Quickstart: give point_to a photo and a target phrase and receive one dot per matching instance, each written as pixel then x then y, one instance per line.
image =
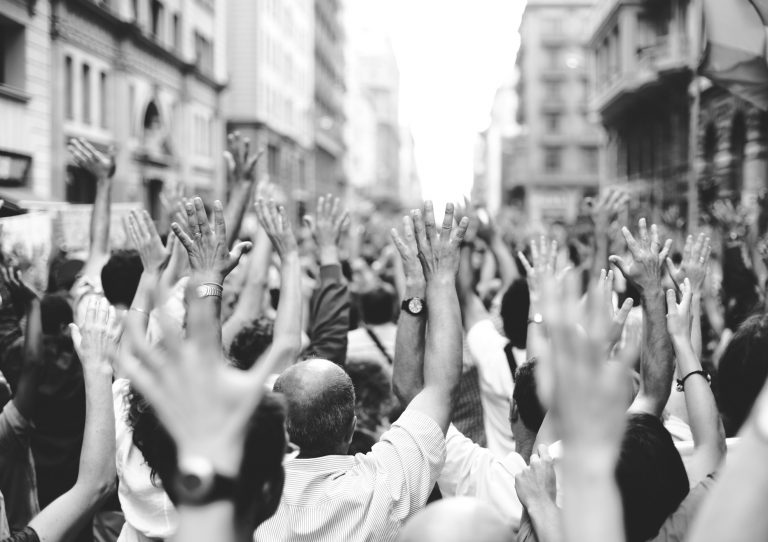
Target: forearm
pixel 251 301
pixel 545 517
pixel 215 521
pixel 408 365
pixel 100 219
pixel 235 211
pixel 287 333
pixel 26 391
pixel 328 315
pixel 703 415
pixel 600 259
pixel 696 337
pixel 443 352
pixel 97 457
pixel 505 262
pixel 657 360
pixel 142 303
pixel 592 507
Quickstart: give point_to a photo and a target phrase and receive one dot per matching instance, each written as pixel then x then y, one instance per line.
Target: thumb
pixel 77 338
pixel 240 249
pixel 618 261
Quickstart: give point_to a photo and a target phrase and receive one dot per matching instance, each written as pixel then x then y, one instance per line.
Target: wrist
pixel 226 460
pixel 441 283
pixel 209 276
pixel 329 255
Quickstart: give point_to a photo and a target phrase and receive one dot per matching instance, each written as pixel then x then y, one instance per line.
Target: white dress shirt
pixel 496 385
pixel 473 471
pixel 365 497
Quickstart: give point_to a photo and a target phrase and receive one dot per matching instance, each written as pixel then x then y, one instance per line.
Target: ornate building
pixel 144 76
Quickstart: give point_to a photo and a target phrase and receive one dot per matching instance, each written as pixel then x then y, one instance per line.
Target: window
pixel 12 54
pixel 552 91
pixel 69 81
pixel 552 122
pixel 552 26
pixel 553 57
pixel 86 94
pixel 156 26
pixel 590 159
pixel 132 110
pixel 103 97
pixel 203 53
pixel 177 31
pixel 553 159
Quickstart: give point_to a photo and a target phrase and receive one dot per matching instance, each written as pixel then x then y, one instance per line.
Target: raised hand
pixel 617 317
pixel 679 314
pixel 327 227
pixel 409 252
pixel 85 155
pixel 95 341
pixel 537 482
pixel 543 268
pixel 607 207
pixel 648 258
pixel 204 403
pixel 21 292
pixel 694 265
pixel 143 234
pixel 439 254
pixel 207 249
pixel 277 226
pixel 240 162
pixel 735 220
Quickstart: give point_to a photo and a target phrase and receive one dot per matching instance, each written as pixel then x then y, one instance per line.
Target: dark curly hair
pixel 251 342
pixel 262 467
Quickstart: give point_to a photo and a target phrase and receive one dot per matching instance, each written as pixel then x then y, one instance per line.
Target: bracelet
pixel 142 311
pixel 209 289
pixel 681 381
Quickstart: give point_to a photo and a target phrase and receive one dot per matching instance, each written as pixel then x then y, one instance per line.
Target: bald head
pixel 456 520
pixel 321 407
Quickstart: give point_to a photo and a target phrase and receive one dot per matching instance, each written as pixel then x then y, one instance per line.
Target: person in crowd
pixel 332 496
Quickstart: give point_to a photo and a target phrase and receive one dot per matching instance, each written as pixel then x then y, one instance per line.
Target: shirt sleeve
pixel 329 317
pixel 487 348
pixel 15 432
pixel 473 471
pixel 28 534
pixel 410 456
pixel 676 526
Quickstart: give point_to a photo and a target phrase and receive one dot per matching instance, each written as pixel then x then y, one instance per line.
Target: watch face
pixel 415 305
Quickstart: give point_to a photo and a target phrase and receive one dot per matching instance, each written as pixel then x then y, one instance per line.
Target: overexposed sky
pixel 453 55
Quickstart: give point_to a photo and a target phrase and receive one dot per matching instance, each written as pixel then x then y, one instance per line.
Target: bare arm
pixel 408 365
pixel 68 514
pixel 101 167
pixel 657 360
pixel 251 300
pixel 703 416
pixel 472 309
pixel 286 343
pixel 443 354
pixel 240 173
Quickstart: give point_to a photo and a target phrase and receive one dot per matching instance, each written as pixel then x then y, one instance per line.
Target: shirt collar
pixel 326 463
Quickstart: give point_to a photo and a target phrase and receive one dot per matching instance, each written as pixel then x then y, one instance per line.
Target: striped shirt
pixel 365 497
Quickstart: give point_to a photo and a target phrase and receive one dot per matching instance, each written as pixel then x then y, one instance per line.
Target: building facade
pixel 25 103
pixel 270 96
pixel 329 97
pixel 642 55
pixel 141 76
pixel 556 154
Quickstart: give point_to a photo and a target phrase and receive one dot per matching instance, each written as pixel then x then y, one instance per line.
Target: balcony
pixel 652 65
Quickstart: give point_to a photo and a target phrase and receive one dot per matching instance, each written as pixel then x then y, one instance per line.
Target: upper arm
pixel 410 456
pixel 473 311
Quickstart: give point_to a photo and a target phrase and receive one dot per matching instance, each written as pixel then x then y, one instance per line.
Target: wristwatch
pixel 197 483
pixel 413 306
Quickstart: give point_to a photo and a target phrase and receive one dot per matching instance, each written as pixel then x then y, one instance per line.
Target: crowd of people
pixel 325 381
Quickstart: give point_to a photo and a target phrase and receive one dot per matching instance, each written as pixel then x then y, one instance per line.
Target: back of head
pixel 251 342
pixel 526 398
pixel 63 273
pixel 321 407
pixel 262 469
pixel 377 304
pixel 651 476
pixel 120 277
pixel 742 372
pixel 456 520
pixel 515 305
pixel 55 314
